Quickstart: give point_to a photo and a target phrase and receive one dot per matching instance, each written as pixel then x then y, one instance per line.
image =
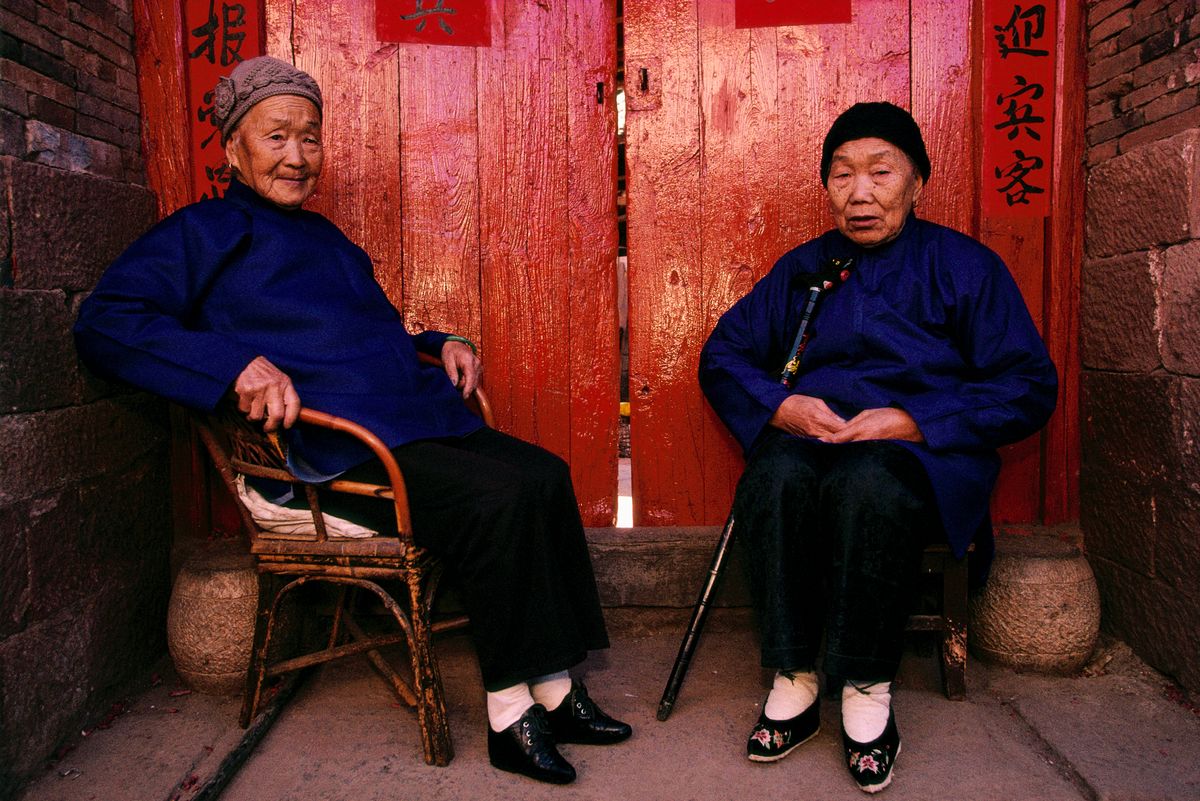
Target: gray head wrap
pixel 255 80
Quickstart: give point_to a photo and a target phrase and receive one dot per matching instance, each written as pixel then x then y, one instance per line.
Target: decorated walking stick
pixel 835 273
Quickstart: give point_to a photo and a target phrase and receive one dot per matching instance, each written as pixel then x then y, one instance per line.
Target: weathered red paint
pixel 723 138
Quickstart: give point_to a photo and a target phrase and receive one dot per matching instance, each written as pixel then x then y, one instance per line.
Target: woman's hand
pixel 806 416
pixel 462 366
pixel 889 423
pixel 265 391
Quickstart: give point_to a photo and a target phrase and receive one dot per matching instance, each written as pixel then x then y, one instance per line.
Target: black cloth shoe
pixel 528 747
pixel 578 720
pixel 871 763
pixel 772 740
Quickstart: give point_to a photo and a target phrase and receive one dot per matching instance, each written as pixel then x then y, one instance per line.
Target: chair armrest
pixel 479 396
pixel 381 451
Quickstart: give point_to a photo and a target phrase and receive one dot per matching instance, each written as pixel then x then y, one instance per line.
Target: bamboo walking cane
pixel 838 270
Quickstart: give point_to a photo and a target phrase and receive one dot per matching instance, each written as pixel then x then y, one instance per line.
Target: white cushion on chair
pixel 295 522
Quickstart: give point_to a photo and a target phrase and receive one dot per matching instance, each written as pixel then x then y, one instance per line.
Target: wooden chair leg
pixel 954 637
pixel 257 670
pixel 427 681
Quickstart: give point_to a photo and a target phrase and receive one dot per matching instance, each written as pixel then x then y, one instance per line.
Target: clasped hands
pixel 266 393
pixel 806 416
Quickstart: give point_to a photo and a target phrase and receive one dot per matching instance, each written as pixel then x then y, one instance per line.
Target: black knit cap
pixel 880 121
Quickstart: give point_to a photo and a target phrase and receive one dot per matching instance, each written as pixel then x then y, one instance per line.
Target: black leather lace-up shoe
pixel 528 747
pixel 578 720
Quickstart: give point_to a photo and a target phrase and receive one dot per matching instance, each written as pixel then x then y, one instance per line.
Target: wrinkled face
pixel 872 187
pixel 276 149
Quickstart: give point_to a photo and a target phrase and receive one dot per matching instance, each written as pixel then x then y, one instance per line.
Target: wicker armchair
pixel 286 562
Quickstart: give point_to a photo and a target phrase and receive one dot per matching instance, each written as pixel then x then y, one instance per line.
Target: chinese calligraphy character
pixel 217 176
pixel 421 13
pixel 205 113
pixel 1017 115
pixel 233 16
pixel 1017 190
pixel 1019 33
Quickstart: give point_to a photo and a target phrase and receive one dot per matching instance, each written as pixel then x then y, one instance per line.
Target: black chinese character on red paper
pixel 233 17
pixel 1020 117
pixel 1021 31
pixel 1018 188
pixel 421 13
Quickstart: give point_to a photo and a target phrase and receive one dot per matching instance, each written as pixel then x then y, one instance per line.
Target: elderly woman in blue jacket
pixel 252 294
pixel 922 360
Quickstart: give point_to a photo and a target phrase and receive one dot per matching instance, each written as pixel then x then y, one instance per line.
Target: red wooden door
pixel 723 136
pixel 482 181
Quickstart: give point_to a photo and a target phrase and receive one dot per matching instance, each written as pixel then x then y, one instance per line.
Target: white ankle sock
pixel 865 709
pixel 791 694
pixel 506 706
pixel 551 689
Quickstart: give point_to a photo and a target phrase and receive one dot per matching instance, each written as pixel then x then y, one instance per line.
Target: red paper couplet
pixel 1020 41
pixel 774 13
pixel 217 36
pixel 436 22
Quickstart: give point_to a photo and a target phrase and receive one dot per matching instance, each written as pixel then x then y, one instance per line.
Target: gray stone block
pixel 1119 516
pixel 1147 197
pixel 14 569
pixel 1180 300
pixel 38 365
pixel 55 449
pixel 68 227
pixel 1117 313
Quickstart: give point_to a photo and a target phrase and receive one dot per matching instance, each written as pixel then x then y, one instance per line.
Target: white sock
pixel 865 709
pixel 551 689
pixel 791 694
pixel 506 706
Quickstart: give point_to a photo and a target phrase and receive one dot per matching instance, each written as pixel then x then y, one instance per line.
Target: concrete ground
pixel 1116 733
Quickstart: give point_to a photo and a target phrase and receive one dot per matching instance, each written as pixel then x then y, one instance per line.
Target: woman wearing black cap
pixel 922 360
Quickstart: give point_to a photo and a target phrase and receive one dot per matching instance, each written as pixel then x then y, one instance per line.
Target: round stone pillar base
pixel 210 621
pixel 1040 609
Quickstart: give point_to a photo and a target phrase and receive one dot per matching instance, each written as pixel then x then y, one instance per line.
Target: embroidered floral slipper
pixel 772 740
pixel 871 763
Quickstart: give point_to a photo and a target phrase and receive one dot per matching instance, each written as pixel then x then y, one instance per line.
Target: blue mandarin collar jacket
pixel 931 322
pixel 216 284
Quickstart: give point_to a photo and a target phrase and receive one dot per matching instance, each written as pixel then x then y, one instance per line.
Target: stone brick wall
pixel 1140 328
pixel 84 523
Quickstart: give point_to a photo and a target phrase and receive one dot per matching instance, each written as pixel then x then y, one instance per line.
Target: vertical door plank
pixel 662 137
pixel 1061 440
pixel 941 104
pixel 440 191
pixel 594 352
pixel 277 19
pixel 162 88
pixel 522 220
pixel 360 186
pixel 739 206
pixel 823 70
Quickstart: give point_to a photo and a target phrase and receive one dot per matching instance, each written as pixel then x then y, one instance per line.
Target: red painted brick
pixel 1175 61
pixel 1098 12
pixel 1116 127
pixel 69 151
pixel 1118 309
pixel 1101 112
pixel 1173 103
pixel 1144 27
pixel 1113 89
pixel 1110 26
pixel 35 82
pixel 51 113
pixel 1144 94
pixel 1162 129
pixel 1106 69
pixel 1143 198
pixel 1180 300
